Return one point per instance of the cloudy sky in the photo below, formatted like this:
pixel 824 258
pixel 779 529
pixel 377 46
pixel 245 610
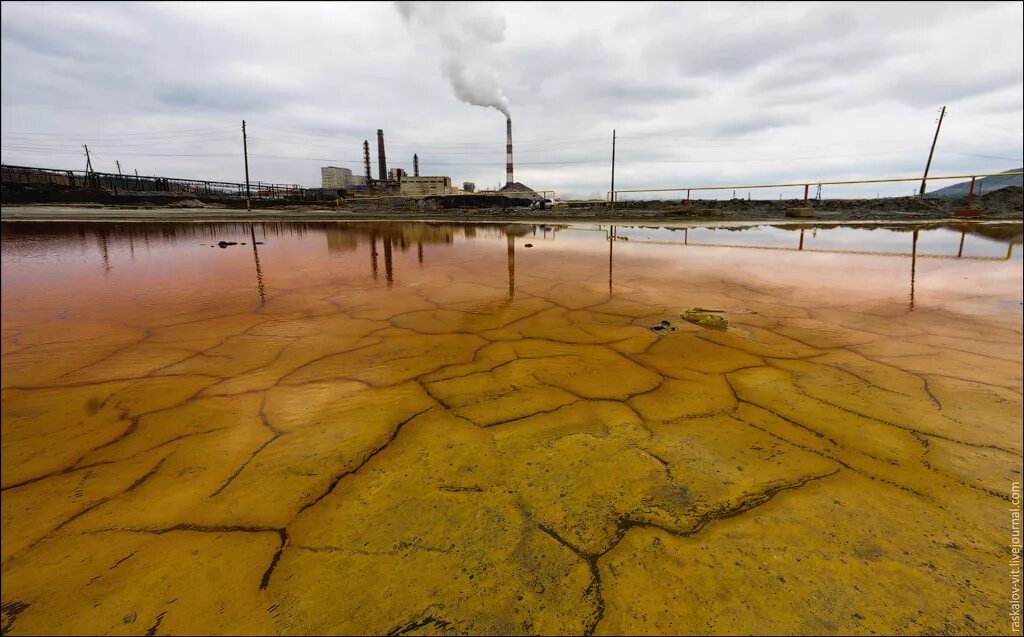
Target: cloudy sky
pixel 700 94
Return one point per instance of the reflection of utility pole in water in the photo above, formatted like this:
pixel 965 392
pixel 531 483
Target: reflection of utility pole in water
pixel 373 254
pixel 913 267
pixel 388 272
pixel 131 245
pixel 611 242
pixel 259 272
pixel 960 252
pixel 104 254
pixel 801 239
pixel 419 252
pixel 511 266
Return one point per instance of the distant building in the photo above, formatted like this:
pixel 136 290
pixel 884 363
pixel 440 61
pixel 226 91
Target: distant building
pixel 418 186
pixel 468 186
pixel 396 174
pixel 335 177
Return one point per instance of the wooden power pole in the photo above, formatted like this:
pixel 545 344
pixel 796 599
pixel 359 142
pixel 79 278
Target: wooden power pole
pixel 245 151
pixel 612 197
pixel 89 177
pixel 924 180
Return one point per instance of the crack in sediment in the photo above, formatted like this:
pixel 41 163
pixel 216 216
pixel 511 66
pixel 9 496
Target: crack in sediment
pixel 98 503
pixel 362 463
pixel 275 434
pixel 156 625
pixel 748 501
pixel 833 458
pixel 924 461
pixel 897 425
pixel 595 578
pixel 418 623
pixel 281 532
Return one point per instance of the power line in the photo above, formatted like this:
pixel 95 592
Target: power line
pixel 986 156
pixel 90 135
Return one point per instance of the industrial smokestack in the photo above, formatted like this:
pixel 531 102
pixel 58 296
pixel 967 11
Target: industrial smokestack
pixel 415 166
pixel 508 152
pixel 366 162
pixel 381 159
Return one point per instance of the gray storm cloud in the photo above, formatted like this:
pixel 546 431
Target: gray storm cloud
pixel 465 32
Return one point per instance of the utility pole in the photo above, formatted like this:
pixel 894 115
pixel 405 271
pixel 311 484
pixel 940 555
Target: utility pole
pixel 88 166
pixel 613 170
pixel 245 151
pixel 924 180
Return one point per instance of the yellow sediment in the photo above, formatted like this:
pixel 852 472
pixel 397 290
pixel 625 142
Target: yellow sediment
pixel 449 457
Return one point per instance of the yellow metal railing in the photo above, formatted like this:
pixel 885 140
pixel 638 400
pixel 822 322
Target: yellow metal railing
pixel 616 192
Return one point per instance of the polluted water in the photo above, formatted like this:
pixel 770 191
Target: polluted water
pixel 426 428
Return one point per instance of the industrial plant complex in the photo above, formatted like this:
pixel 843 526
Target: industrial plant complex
pixel 397 182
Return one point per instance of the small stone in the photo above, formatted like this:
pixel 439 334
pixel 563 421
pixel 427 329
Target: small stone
pixel 528 245
pixel 129 618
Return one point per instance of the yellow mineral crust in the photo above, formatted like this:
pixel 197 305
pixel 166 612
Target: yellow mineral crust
pixel 455 454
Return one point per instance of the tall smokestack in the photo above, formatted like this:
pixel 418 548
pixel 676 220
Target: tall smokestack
pixel 508 152
pixel 381 160
pixel 415 166
pixel 366 162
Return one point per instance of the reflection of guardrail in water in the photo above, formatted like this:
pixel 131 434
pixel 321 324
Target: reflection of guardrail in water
pixel 801 248
pixel 612 195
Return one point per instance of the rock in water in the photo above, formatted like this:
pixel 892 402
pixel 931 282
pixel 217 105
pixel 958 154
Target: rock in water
pixel 706 318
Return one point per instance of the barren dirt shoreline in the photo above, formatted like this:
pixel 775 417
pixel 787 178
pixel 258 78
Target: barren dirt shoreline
pixel 662 216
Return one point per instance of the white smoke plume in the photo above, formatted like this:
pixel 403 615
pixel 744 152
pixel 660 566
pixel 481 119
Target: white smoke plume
pixel 465 32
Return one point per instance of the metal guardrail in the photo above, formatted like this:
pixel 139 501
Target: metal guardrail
pixel 805 184
pixel 118 184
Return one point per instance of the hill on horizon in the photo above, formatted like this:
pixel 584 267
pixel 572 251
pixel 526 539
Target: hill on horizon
pixel 982 186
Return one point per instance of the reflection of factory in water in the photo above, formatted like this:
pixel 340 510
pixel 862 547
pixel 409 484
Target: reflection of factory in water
pixel 349 236
pixel 384 239
pixel 391 236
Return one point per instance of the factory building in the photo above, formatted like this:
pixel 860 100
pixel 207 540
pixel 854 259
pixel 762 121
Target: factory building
pixel 414 186
pixel 334 177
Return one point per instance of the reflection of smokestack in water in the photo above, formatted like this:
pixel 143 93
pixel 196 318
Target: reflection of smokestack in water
pixel 389 273
pixel 381 160
pixel 508 152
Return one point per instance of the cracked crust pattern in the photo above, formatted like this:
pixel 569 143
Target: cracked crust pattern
pixel 432 449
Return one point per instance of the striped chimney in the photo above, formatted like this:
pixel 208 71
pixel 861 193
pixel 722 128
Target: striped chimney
pixel 508 152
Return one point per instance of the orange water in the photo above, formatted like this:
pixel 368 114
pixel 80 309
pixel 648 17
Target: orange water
pixel 426 428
